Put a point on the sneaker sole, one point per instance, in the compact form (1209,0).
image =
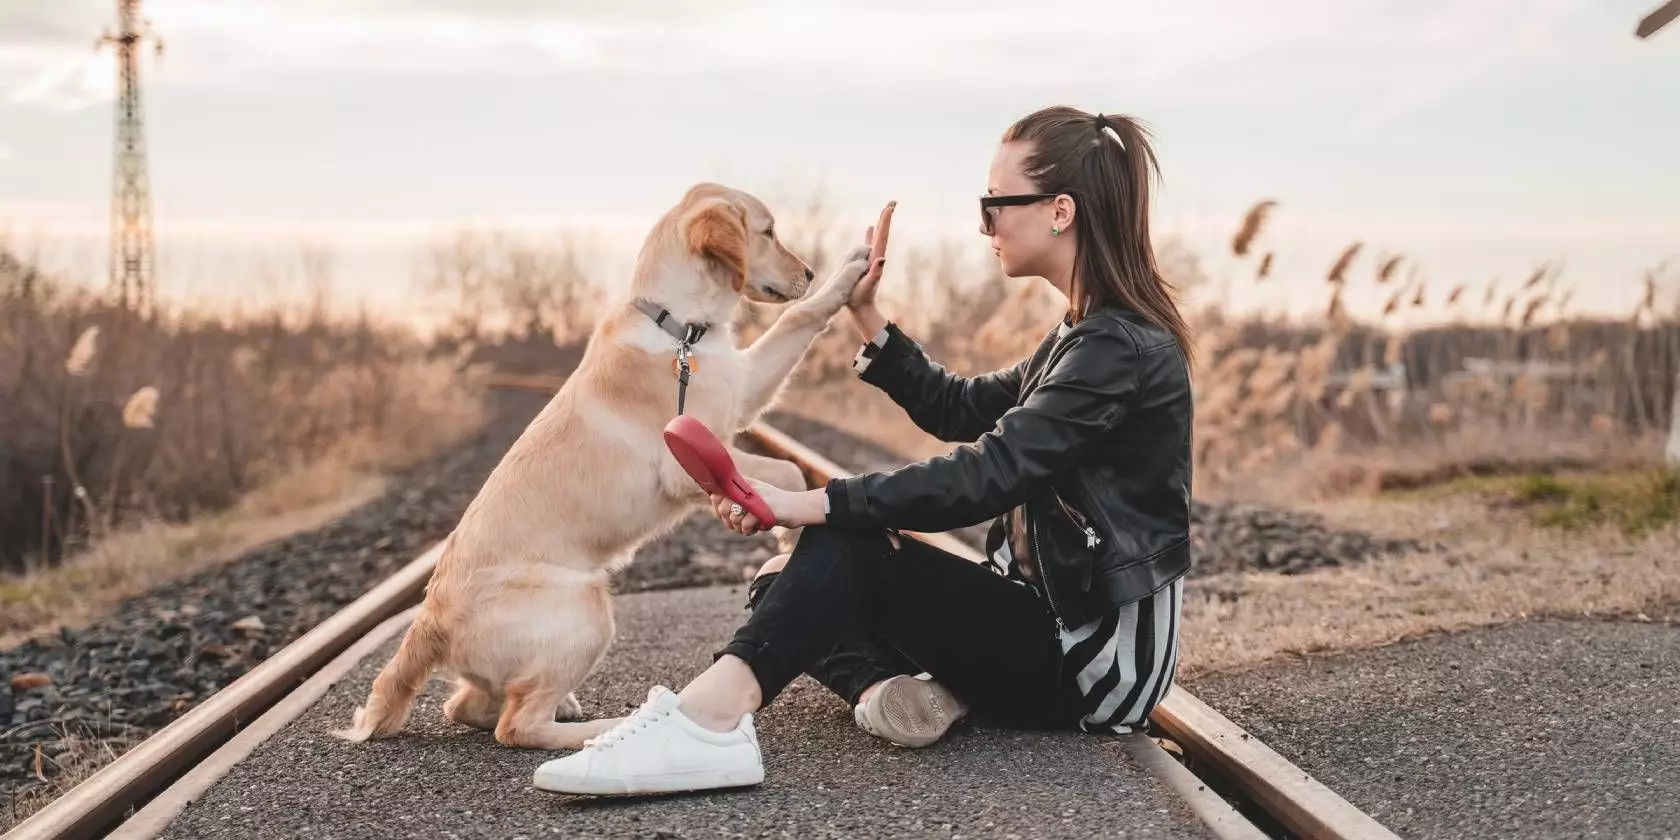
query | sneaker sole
(662,783)
(916,713)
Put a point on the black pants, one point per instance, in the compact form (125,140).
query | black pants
(851,610)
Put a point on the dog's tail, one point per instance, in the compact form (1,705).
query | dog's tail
(394,689)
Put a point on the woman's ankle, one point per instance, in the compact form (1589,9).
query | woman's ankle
(718,698)
(870,691)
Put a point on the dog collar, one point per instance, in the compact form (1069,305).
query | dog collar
(684,334)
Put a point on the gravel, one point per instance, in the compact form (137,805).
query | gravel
(1251,537)
(1540,729)
(824,776)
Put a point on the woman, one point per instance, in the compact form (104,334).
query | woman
(1081,452)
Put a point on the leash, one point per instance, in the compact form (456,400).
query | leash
(687,335)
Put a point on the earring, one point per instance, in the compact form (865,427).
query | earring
(1055,230)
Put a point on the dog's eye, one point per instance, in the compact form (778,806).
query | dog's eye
(770,231)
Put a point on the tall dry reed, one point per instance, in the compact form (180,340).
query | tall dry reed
(112,419)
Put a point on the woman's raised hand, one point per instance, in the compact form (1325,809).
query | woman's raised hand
(861,303)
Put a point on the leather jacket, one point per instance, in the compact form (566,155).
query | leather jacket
(1091,434)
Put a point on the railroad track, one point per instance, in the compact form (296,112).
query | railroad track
(1232,781)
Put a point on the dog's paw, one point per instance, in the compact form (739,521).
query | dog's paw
(570,708)
(838,288)
(356,731)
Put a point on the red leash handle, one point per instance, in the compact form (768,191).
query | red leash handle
(706,461)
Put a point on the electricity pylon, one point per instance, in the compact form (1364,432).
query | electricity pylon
(132,262)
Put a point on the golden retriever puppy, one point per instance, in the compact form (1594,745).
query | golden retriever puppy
(518,607)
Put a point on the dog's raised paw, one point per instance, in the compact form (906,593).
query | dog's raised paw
(838,288)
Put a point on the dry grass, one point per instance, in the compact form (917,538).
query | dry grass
(1501,567)
(80,759)
(1479,450)
(139,450)
(151,553)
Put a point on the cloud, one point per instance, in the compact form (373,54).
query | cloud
(1470,41)
(1377,62)
(642,11)
(68,82)
(59,21)
(977,43)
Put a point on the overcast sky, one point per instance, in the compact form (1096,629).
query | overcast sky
(1483,136)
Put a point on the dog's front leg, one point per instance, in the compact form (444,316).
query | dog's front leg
(772,471)
(772,358)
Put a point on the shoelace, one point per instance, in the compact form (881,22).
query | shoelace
(638,720)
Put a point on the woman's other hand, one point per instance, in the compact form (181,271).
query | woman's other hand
(792,509)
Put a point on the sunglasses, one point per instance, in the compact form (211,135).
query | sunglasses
(990,203)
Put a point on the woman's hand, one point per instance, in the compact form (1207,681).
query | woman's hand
(861,303)
(792,508)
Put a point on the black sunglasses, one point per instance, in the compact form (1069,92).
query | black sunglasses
(988,202)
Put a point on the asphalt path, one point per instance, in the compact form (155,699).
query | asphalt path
(1541,729)
(825,778)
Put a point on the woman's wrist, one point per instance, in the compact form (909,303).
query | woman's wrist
(815,506)
(868,319)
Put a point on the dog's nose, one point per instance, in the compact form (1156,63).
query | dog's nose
(809,274)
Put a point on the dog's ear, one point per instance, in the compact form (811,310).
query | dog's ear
(717,230)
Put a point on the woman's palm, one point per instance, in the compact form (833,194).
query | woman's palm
(863,294)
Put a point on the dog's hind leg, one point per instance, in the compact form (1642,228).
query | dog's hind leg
(472,706)
(567,657)
(528,721)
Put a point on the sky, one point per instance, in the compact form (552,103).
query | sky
(1480,137)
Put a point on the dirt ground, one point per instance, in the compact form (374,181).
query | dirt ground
(1494,565)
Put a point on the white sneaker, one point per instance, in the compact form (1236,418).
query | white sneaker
(909,711)
(657,749)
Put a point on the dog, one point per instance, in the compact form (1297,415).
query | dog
(518,607)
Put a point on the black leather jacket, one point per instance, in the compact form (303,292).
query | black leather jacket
(1091,433)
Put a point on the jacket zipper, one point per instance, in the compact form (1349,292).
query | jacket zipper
(1091,538)
(1043,573)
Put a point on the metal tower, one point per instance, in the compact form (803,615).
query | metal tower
(132,263)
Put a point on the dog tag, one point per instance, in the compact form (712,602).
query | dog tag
(676,365)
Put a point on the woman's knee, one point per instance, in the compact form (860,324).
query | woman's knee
(773,565)
(837,543)
(820,546)
(763,579)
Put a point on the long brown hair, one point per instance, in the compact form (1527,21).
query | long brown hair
(1073,153)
